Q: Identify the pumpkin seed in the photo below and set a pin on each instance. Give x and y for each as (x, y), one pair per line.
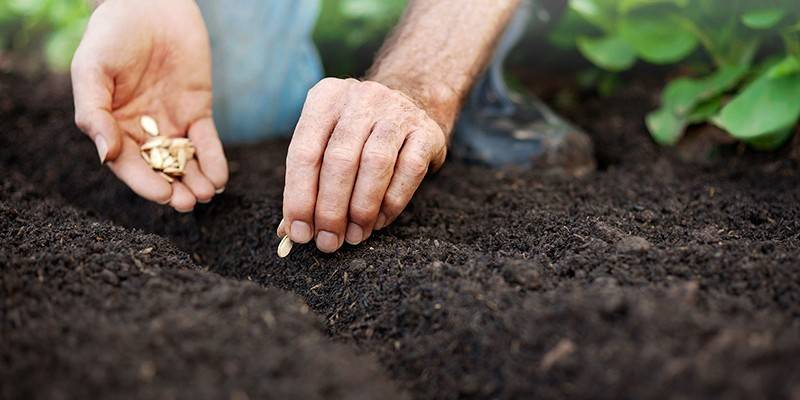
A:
(149, 125)
(167, 156)
(285, 247)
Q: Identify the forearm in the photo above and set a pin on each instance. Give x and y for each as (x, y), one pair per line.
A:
(438, 50)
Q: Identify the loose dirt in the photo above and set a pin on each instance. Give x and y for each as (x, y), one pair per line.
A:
(653, 278)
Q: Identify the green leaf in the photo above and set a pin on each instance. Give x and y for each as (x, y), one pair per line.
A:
(61, 45)
(788, 66)
(658, 39)
(569, 27)
(765, 106)
(705, 110)
(773, 140)
(26, 7)
(595, 11)
(687, 100)
(683, 94)
(665, 127)
(625, 6)
(764, 18)
(610, 52)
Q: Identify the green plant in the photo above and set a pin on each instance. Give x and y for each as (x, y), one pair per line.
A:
(350, 31)
(49, 27)
(757, 102)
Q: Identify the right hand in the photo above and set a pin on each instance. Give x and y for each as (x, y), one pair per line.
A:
(149, 57)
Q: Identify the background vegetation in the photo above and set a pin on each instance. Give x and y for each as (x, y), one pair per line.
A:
(42, 30)
(744, 86)
(743, 55)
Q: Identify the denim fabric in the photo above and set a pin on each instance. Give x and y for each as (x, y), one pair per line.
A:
(264, 62)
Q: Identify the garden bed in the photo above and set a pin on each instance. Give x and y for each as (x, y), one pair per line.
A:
(653, 278)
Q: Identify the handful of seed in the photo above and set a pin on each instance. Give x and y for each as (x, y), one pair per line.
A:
(167, 156)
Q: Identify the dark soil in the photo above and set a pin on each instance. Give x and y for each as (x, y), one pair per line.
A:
(653, 278)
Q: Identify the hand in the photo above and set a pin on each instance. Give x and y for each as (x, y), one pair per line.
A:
(149, 57)
(359, 152)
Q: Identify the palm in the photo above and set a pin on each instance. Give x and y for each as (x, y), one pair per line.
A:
(163, 71)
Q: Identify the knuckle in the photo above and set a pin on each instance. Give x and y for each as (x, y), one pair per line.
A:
(415, 166)
(372, 86)
(393, 204)
(361, 213)
(377, 160)
(326, 216)
(323, 87)
(339, 157)
(390, 126)
(302, 156)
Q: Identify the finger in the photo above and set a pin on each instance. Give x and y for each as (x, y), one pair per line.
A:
(413, 164)
(374, 174)
(337, 176)
(92, 92)
(281, 231)
(131, 168)
(198, 184)
(304, 158)
(210, 154)
(182, 198)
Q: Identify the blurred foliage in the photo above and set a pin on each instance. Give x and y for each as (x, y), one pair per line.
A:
(48, 29)
(755, 100)
(349, 32)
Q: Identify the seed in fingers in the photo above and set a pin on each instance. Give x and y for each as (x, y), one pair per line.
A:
(285, 247)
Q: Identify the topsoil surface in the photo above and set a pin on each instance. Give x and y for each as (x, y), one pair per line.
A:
(653, 278)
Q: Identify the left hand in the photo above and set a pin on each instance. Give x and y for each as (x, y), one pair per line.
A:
(358, 154)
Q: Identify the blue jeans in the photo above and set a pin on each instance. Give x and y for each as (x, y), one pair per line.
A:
(264, 63)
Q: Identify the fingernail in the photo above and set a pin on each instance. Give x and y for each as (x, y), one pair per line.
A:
(220, 190)
(185, 211)
(327, 242)
(204, 201)
(301, 232)
(280, 232)
(380, 222)
(354, 234)
(102, 148)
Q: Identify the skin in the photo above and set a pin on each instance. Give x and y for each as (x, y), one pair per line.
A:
(130, 63)
(360, 149)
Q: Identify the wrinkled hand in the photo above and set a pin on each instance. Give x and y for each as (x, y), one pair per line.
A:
(359, 152)
(149, 57)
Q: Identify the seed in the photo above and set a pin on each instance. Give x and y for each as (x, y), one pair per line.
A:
(170, 162)
(173, 171)
(153, 143)
(167, 156)
(149, 125)
(181, 158)
(285, 247)
(179, 143)
(156, 159)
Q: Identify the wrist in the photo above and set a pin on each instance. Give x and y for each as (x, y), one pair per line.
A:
(441, 102)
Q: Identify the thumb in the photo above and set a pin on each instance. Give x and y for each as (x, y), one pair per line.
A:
(103, 129)
(92, 90)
